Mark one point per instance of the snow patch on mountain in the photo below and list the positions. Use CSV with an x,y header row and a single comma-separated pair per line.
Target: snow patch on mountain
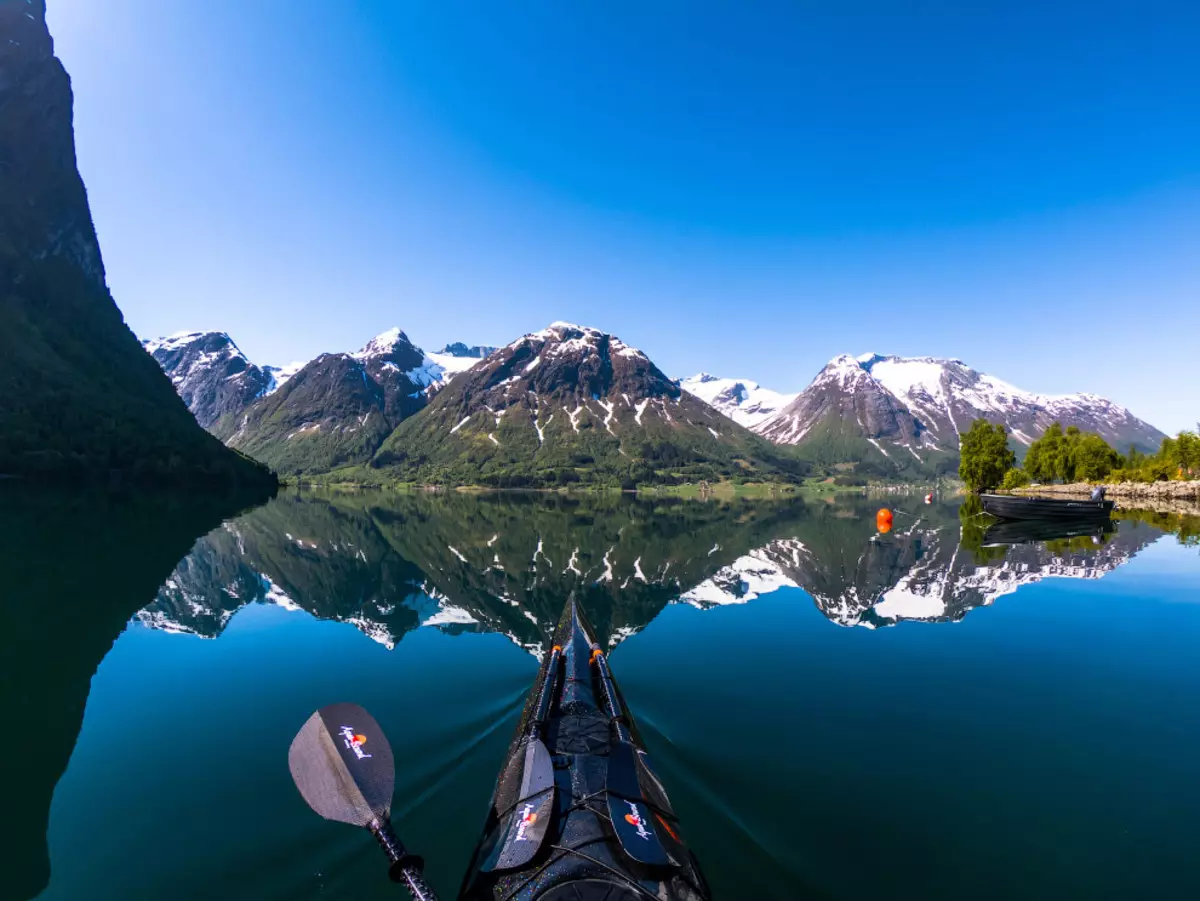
x,y
745,402
280,374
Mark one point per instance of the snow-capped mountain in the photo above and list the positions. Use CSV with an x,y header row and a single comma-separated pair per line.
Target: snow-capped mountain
x,y
918,405
564,397
745,402
337,409
844,399
210,373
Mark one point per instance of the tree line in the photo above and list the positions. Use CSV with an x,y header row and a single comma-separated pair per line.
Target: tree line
x,y
1070,455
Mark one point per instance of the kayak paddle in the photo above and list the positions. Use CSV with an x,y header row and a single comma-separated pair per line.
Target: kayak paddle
x,y
529,819
342,764
627,806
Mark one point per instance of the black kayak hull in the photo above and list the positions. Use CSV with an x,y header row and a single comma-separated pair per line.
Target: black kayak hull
x,y
1006,506
581,856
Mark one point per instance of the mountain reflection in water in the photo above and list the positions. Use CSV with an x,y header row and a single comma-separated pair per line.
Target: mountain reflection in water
x,y
391,563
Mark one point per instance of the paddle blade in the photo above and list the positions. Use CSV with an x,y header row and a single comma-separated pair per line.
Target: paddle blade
x,y
529,819
629,812
342,764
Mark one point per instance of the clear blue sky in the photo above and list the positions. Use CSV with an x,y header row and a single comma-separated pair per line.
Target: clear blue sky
x,y
749,189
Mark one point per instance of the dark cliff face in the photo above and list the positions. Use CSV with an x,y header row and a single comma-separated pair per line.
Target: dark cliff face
x,y
211,375
43,205
79,397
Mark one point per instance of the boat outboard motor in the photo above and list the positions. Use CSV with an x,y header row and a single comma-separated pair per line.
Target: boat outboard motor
x,y
1098,493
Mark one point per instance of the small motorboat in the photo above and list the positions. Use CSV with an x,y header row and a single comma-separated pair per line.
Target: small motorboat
x,y
1059,509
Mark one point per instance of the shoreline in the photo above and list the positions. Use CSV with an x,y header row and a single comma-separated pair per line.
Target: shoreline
x,y
1164,497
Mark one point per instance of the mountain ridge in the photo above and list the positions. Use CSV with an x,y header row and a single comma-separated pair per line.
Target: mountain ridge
x,y
571,403
888,409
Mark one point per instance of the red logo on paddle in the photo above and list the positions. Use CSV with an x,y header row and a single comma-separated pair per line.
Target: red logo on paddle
x,y
634,819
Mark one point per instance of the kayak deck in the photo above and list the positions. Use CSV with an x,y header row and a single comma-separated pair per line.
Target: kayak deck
x,y
582,856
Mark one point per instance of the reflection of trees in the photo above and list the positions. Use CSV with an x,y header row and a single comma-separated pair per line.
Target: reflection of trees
x,y
974,526
1184,526
934,566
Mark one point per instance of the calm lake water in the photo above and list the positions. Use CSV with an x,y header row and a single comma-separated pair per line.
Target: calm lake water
x,y
928,714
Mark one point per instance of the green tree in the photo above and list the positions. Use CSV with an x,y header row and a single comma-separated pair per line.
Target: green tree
x,y
1092,457
985,455
1042,461
1015,478
1185,452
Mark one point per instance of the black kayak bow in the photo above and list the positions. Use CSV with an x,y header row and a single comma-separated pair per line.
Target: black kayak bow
x,y
343,766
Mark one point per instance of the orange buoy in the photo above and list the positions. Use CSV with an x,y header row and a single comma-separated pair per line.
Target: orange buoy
x,y
883,520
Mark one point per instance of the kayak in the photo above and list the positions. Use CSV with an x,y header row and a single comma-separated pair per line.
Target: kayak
x,y
578,811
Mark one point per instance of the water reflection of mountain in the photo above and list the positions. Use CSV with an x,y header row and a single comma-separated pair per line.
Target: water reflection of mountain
x,y
390,563
928,570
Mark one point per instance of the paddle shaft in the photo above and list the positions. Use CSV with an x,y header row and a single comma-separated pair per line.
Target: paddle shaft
x,y
542,710
615,710
405,867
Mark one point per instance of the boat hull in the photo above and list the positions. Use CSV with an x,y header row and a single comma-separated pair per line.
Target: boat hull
x,y
1004,506
581,856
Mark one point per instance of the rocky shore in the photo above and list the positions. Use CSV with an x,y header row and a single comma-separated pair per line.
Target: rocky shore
x,y
1169,497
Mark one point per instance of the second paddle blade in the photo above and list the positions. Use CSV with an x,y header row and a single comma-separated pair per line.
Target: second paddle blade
x,y
342,764
530,818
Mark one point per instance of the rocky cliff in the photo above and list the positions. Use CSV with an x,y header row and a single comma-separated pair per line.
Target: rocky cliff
x,y
79,397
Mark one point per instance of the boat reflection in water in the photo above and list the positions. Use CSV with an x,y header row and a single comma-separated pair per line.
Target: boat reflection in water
x,y
1032,531
389,564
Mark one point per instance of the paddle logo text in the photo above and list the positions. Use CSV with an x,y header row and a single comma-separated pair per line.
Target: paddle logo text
x,y
354,741
633,818
528,818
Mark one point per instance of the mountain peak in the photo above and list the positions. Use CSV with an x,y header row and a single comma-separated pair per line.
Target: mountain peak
x,y
463,351
181,340
382,344
922,404
210,373
844,369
